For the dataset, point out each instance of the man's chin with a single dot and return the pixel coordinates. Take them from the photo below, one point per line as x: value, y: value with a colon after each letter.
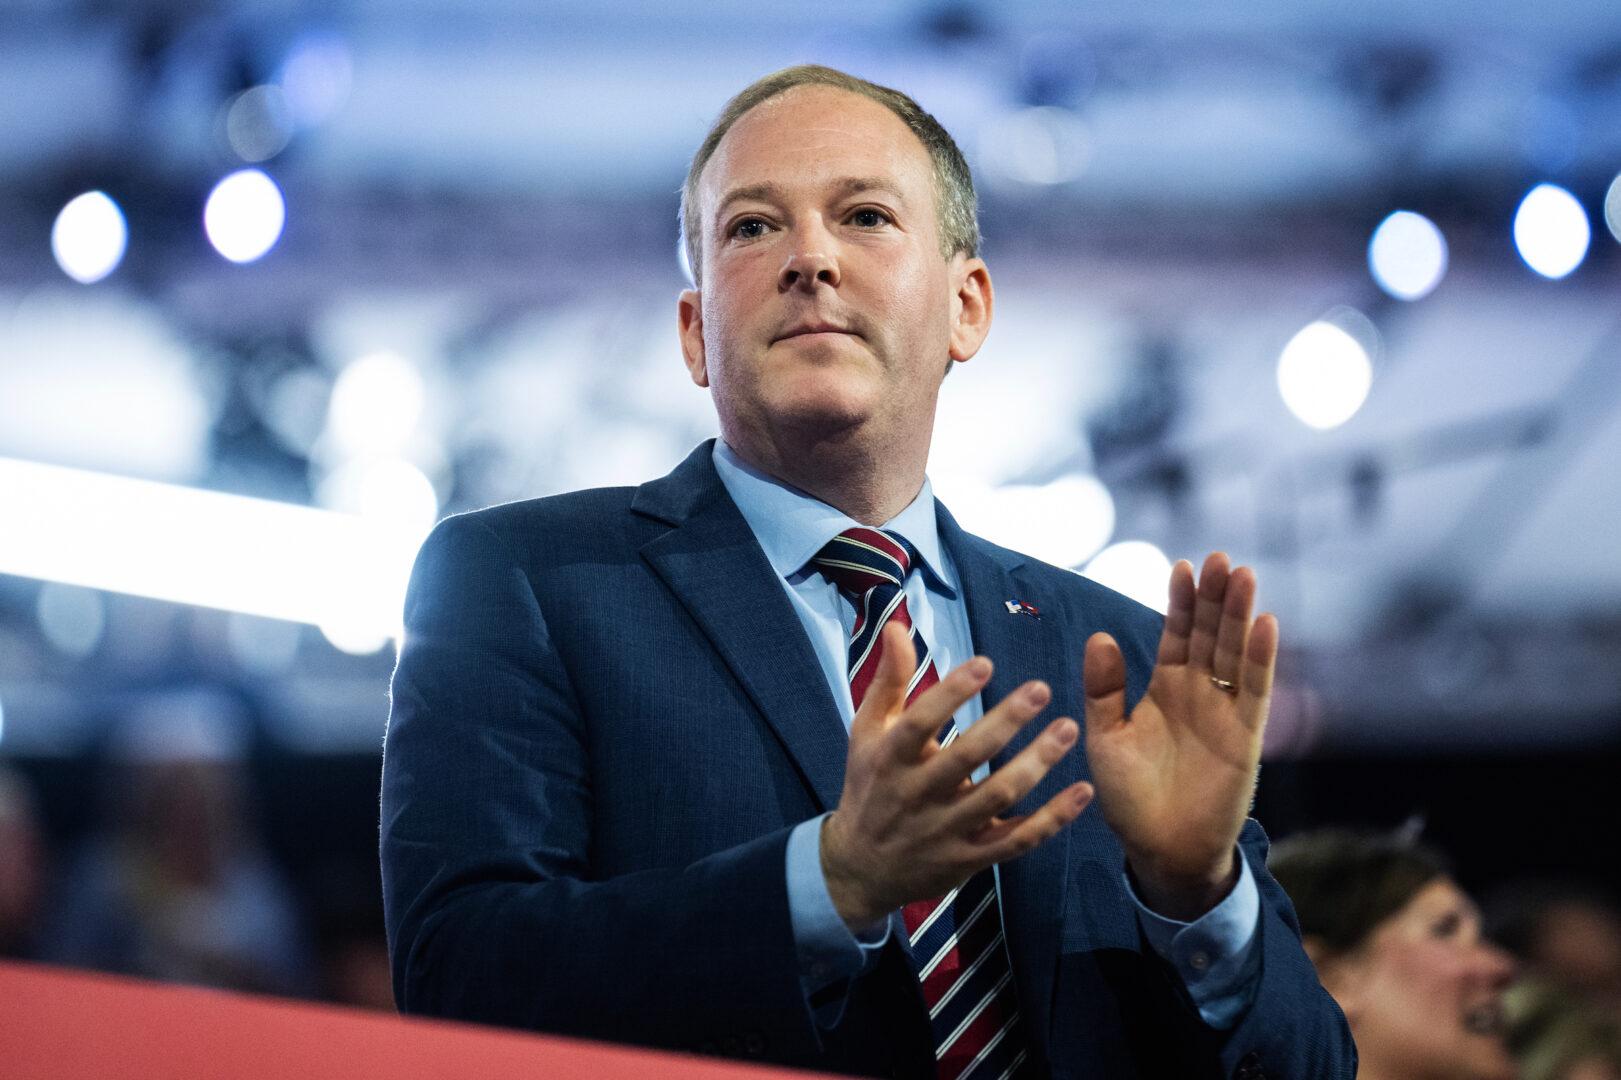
x: 821, y: 422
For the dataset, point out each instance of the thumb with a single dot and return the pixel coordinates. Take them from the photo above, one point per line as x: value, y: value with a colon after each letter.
x: 1104, y: 676
x: 885, y: 697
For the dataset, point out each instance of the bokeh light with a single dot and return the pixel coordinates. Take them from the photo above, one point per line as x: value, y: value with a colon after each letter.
x: 376, y: 403
x: 1064, y: 522
x: 1407, y: 255
x: 1042, y: 145
x: 387, y: 490
x: 258, y: 123
x: 1324, y: 375
x: 1136, y: 568
x: 71, y: 617
x: 244, y: 215
x: 1551, y: 231
x: 99, y: 379
x: 315, y: 77
x: 1612, y: 207
x: 89, y: 237
x: 353, y: 637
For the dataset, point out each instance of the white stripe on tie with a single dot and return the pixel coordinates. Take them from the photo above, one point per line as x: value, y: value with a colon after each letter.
x: 951, y: 942
x: 1013, y: 1068
x: 967, y: 973
x: 979, y: 1057
x: 945, y: 1044
x: 945, y: 906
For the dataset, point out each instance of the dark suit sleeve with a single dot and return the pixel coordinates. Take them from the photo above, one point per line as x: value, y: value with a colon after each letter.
x: 495, y: 911
x: 1293, y: 1027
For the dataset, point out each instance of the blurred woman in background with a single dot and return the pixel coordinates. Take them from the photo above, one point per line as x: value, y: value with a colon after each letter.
x: 1399, y: 946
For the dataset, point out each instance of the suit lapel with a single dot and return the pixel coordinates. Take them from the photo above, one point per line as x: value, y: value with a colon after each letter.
x: 1024, y: 647
x: 711, y: 561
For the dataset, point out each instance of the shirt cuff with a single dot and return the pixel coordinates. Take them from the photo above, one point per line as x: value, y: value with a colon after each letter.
x: 1215, y: 954
x: 829, y: 954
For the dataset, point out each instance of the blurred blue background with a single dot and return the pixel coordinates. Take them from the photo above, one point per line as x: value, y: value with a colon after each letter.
x: 360, y: 265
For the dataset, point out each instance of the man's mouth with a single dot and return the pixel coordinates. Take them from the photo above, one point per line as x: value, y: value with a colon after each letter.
x: 806, y: 329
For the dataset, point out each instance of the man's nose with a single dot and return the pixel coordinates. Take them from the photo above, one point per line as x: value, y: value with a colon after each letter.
x: 811, y: 263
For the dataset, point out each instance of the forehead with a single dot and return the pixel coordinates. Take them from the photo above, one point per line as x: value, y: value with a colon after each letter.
x: 1439, y: 897
x: 815, y: 133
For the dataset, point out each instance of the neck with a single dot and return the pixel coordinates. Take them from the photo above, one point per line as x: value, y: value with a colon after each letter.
x: 870, y: 484
x: 1378, y: 1070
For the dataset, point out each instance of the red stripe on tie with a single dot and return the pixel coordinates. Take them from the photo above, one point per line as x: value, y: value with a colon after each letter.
x: 967, y: 1049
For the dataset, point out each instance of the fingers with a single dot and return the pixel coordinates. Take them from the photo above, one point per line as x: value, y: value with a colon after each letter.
x: 1207, y: 609
x: 886, y: 694
x: 1173, y: 642
x: 921, y: 721
x: 1208, y: 625
x: 1103, y: 672
x: 946, y: 771
x: 1008, y: 838
x: 1260, y: 661
x: 1234, y: 630
x: 1002, y: 789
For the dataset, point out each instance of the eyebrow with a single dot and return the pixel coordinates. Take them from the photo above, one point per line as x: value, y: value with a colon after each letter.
x: 771, y: 192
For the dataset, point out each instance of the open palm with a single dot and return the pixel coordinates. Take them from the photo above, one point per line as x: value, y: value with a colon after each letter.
x: 1176, y: 777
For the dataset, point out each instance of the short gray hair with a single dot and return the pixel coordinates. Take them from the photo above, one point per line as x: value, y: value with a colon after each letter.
x: 955, y: 205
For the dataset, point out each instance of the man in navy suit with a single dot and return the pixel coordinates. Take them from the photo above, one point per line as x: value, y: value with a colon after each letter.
x: 629, y: 792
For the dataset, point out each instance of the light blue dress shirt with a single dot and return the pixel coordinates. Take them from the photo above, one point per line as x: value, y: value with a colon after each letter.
x: 1213, y: 954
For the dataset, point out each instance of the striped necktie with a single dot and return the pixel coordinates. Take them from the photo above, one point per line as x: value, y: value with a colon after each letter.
x: 957, y: 946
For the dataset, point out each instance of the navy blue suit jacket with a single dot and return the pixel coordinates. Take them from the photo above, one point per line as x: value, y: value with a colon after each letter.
x: 606, y: 720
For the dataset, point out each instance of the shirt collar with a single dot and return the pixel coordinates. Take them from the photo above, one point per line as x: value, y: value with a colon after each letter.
x: 793, y: 526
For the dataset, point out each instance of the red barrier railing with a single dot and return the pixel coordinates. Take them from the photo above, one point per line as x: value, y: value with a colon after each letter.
x: 57, y: 1024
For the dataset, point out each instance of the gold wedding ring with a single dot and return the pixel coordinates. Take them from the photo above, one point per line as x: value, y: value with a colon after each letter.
x: 1224, y: 686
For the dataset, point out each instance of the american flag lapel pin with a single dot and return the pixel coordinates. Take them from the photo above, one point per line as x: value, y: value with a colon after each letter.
x: 1019, y: 607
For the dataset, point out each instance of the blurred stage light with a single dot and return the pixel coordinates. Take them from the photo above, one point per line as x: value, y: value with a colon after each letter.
x: 198, y: 547
x: 316, y: 76
x: 1407, y: 255
x: 1550, y: 133
x: 89, y: 237
x: 375, y: 405
x: 386, y: 490
x: 1612, y: 207
x: 354, y: 638
x: 1551, y: 231
x: 1324, y: 373
x: 295, y: 406
x: 1136, y: 568
x: 258, y: 123
x: 1064, y: 523
x: 72, y: 618
x: 244, y: 215
x: 99, y: 380
x: 1040, y: 145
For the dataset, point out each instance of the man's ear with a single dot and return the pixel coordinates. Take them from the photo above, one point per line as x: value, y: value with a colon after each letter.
x: 972, y: 302
x: 690, y: 316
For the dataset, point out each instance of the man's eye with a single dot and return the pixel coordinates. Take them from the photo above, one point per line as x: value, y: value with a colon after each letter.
x: 868, y: 219
x: 749, y: 229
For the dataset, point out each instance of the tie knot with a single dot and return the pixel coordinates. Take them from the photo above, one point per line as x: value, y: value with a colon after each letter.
x: 861, y: 559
